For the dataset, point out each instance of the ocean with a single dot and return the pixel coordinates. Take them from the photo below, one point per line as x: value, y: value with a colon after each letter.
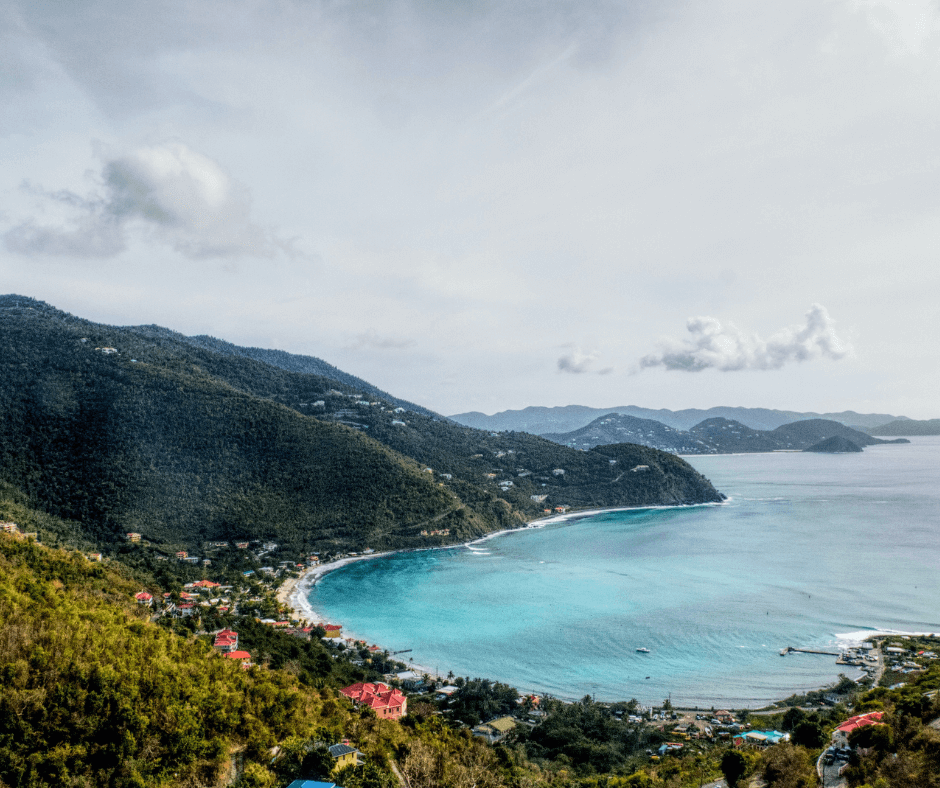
x: 811, y: 550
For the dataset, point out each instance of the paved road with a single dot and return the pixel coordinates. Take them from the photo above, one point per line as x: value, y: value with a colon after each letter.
x: 830, y: 774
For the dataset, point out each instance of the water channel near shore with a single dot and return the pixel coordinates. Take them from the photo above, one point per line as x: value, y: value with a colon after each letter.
x: 812, y: 550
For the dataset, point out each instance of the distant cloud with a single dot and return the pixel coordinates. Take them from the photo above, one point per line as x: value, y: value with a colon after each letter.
x: 577, y: 362
x: 371, y: 339
x: 168, y: 192
x: 725, y: 347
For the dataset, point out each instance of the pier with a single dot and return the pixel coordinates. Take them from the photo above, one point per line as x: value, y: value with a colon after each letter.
x: 791, y: 649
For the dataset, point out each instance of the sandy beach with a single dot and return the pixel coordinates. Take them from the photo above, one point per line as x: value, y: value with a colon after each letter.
x: 293, y: 592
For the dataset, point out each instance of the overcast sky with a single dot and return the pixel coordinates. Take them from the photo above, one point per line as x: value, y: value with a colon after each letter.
x: 488, y: 205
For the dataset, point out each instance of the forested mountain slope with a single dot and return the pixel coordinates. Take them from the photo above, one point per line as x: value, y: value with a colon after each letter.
x: 136, y: 430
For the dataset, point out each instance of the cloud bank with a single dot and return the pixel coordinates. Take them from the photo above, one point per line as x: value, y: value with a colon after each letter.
x: 168, y: 193
x: 727, y: 348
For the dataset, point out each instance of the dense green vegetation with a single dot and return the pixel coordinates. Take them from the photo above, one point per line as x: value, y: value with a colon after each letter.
x: 134, y: 430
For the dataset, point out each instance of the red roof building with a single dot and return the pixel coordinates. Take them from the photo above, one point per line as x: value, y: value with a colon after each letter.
x: 143, y: 598
x: 202, y: 584
x: 226, y: 640
x: 333, y: 630
x: 841, y: 734
x: 387, y: 703
x: 860, y: 721
x: 237, y: 655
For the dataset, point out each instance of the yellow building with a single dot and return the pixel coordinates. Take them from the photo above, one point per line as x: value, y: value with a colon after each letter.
x: 343, y: 755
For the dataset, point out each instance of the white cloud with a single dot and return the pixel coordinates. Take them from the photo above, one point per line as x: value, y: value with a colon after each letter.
x: 169, y: 193
x: 726, y: 347
x: 577, y: 362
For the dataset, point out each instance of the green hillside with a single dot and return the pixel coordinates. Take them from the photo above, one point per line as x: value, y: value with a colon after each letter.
x: 132, y: 430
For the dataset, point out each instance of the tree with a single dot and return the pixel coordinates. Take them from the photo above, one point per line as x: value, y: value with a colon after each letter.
x: 794, y: 716
x: 809, y: 734
x: 733, y: 767
x: 786, y: 766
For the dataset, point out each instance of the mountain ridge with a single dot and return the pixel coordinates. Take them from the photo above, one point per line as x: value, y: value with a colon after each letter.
x: 129, y: 429
x: 541, y: 420
x: 715, y: 435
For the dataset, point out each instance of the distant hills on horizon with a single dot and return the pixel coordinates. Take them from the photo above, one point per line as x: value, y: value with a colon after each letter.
x: 719, y: 436
x: 542, y: 420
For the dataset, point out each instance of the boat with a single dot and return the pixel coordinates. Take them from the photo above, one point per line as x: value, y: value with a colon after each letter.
x: 643, y: 650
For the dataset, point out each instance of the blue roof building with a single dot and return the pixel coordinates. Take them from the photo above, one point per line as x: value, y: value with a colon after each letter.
x: 311, y: 784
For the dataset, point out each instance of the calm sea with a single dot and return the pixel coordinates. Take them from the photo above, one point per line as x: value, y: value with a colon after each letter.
x: 811, y: 550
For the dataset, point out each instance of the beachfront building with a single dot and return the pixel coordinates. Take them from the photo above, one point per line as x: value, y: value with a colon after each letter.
x: 333, y: 630
x: 386, y: 702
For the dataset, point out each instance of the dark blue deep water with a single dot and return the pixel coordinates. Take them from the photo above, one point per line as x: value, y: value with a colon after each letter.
x: 811, y: 550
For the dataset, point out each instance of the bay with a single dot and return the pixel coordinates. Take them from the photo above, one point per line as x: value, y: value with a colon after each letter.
x: 811, y: 550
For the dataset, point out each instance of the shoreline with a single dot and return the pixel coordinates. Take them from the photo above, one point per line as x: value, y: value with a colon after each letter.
x: 294, y: 592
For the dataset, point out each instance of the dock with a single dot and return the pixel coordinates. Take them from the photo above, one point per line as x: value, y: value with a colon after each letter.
x: 791, y: 649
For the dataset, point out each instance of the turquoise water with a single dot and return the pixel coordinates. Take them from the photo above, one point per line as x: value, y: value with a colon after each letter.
x: 810, y: 547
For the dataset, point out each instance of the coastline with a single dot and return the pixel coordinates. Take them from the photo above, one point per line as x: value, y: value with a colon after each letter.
x: 294, y: 592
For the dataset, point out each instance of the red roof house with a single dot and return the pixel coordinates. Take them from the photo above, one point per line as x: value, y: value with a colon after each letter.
x: 841, y: 733
x: 387, y: 703
x: 143, y: 598
x: 226, y: 640
x: 333, y: 630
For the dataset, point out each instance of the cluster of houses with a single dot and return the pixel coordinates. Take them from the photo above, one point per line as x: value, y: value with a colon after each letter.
x: 906, y: 660
x: 14, y: 530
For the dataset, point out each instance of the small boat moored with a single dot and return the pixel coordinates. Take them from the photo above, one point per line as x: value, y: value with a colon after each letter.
x: 643, y: 650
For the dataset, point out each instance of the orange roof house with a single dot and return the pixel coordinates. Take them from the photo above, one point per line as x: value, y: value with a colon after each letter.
x: 333, y: 630
x: 203, y: 584
x: 387, y: 703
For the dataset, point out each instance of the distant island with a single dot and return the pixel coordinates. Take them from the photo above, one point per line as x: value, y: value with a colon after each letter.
x: 540, y: 420
x: 714, y: 435
x: 908, y: 427
x: 837, y: 444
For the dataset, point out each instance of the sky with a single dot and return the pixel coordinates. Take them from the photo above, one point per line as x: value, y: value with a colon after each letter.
x: 488, y: 205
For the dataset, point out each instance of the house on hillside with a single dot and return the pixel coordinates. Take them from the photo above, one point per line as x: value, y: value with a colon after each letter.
x: 143, y: 598
x: 343, y: 755
x: 386, y: 702
x: 133, y: 536
x: 333, y: 630
x: 226, y: 640
x: 495, y: 730
x: 840, y: 736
